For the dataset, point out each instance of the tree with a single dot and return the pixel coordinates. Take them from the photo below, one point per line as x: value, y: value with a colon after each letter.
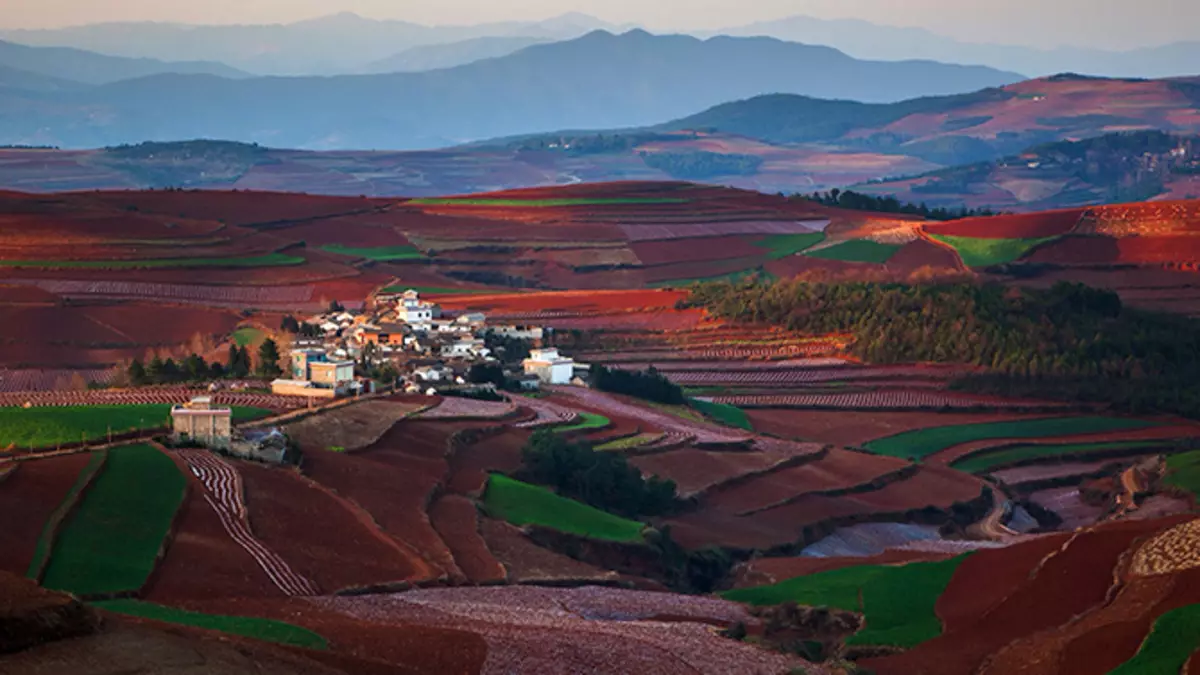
x: 268, y: 359
x: 137, y: 373
x: 238, y: 364
x: 289, y: 324
x: 335, y: 306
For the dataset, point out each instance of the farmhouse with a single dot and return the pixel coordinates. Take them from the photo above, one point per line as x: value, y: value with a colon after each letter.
x: 315, y: 367
x: 200, y: 421
x: 549, y: 366
x: 412, y: 310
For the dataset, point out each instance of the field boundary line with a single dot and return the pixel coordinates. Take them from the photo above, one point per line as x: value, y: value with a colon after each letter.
x: 44, y: 549
x: 874, y: 485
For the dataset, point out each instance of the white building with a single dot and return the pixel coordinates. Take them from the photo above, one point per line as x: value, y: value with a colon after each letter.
x: 519, y: 332
x: 411, y: 309
x: 201, y: 421
x: 549, y: 366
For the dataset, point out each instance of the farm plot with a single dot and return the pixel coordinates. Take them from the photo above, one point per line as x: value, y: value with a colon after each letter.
x: 784, y: 375
x: 525, y: 561
x: 1043, y: 225
x: 31, y: 497
x: 1183, y: 472
x: 269, y: 260
x: 349, y: 427
x: 985, y: 462
x: 667, y: 251
x: 225, y: 494
x: 237, y: 296
x: 51, y: 379
x: 837, y: 470
x: 456, y: 520
x: 546, y: 413
x: 376, y: 253
x: 1034, y: 473
x: 596, y: 630
x: 881, y: 400
x: 48, y: 427
x: 470, y: 466
x: 251, y: 627
x: 523, y: 504
x: 347, y: 550
x: 856, y: 251
x: 703, y: 433
x: 784, y: 245
x: 586, y: 422
x: 898, y: 602
x: 696, y: 471
x: 454, y: 408
x: 674, y: 231
x: 113, y: 541
x: 921, y: 443
x: 988, y: 252
x: 1171, y: 643
x: 724, y: 414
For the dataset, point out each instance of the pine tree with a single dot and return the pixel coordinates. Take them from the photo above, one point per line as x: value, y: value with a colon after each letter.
x: 137, y: 373
x: 268, y: 359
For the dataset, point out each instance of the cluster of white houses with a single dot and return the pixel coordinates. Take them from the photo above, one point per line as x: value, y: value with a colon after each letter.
x: 429, y: 349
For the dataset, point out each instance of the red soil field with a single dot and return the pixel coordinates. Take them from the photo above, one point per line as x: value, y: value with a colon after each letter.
x: 27, y: 498
x: 1023, y: 226
x: 686, y: 272
x: 839, y: 469
x: 26, y: 295
x: 469, y: 467
x: 854, y: 429
x: 581, y: 302
x: 1159, y: 250
x: 797, y: 265
x: 457, y: 522
x: 696, y: 250
x: 355, y: 231
x: 239, y: 208
x: 202, y: 560
x: 344, y: 551
x: 923, y: 254
x: 525, y: 561
x: 418, y: 648
x: 1142, y: 218
x: 1182, y: 429
x: 696, y: 470
x: 1066, y: 584
x: 766, y: 571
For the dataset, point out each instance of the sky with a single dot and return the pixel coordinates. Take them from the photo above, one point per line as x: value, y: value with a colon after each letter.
x: 1113, y: 24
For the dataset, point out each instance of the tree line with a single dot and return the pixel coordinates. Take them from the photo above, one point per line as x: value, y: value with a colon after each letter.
x: 848, y: 199
x: 649, y: 384
x: 195, y: 368
x: 1069, y: 341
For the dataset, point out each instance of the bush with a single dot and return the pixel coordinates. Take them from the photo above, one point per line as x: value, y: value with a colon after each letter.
x: 649, y: 384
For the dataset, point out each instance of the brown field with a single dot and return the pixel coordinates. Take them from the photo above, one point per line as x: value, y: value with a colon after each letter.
x: 854, y: 429
x: 34, y: 490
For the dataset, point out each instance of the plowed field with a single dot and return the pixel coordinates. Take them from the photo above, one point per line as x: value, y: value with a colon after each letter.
x: 28, y: 497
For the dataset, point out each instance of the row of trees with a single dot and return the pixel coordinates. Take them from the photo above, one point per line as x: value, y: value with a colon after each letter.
x: 196, y: 369
x: 649, y: 384
x: 602, y: 479
x: 848, y: 199
x: 1069, y: 341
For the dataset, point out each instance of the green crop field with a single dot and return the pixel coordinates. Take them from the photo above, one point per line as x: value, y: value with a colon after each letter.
x: 437, y: 290
x: 524, y: 504
x: 921, y: 443
x: 725, y: 414
x: 732, y: 276
x: 377, y: 253
x: 45, y: 542
x: 985, y: 462
x: 112, y: 541
x: 857, y: 250
x: 544, y: 203
x: 987, y: 252
x: 586, y: 422
x: 48, y: 427
x: 246, y: 335
x: 627, y: 443
x: 898, y: 601
x: 1183, y: 472
x: 251, y: 627
x: 784, y: 245
x: 1175, y: 636
x: 269, y: 260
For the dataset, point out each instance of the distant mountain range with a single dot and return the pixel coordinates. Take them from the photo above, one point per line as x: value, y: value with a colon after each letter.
x: 600, y: 80
x: 332, y: 45
x: 449, y: 55
x: 866, y: 40
x: 75, y: 65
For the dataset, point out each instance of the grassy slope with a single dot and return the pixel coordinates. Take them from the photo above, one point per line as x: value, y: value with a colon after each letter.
x: 986, y: 462
x: 45, y: 542
x: 924, y: 442
x: 270, y: 260
x: 1183, y: 472
x: 987, y: 252
x: 898, y: 601
x: 857, y: 250
x: 251, y: 627
x: 111, y: 544
x: 1174, y: 637
x: 524, y: 504
x: 45, y: 427
x: 725, y: 414
x: 247, y: 335
x: 376, y: 253
x: 784, y: 245
x: 627, y: 443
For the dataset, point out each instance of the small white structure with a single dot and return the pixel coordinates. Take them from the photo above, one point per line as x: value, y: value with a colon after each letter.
x: 200, y: 421
x: 413, y: 310
x: 549, y: 366
x: 519, y: 332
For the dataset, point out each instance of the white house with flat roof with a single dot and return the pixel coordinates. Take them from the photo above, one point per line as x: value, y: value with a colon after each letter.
x: 201, y: 421
x: 549, y: 366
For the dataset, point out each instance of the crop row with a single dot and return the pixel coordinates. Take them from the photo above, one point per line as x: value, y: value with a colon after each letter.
x: 730, y: 366
x: 38, y: 379
x: 163, y: 396
x: 650, y: 232
x: 224, y: 493
x: 872, y: 400
x: 547, y: 412
x: 245, y: 295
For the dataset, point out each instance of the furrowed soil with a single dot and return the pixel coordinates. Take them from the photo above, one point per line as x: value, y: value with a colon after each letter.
x: 27, y: 498
x: 456, y: 519
x: 853, y: 428
x: 525, y: 561
x: 767, y: 571
x: 283, y: 510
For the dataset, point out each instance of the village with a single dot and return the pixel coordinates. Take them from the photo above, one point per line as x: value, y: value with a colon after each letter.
x: 397, y: 343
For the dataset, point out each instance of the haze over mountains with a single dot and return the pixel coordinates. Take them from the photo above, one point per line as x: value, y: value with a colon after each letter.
x: 600, y: 80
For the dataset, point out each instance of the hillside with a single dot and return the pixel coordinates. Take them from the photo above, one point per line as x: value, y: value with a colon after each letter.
x: 85, y: 67
x: 432, y: 57
x: 1129, y: 166
x: 583, y: 82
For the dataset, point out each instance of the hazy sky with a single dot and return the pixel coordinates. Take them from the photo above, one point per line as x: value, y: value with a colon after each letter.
x: 1047, y: 23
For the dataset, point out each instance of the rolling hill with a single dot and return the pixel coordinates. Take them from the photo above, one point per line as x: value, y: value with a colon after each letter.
x: 600, y: 80
x: 85, y: 67
x: 449, y: 55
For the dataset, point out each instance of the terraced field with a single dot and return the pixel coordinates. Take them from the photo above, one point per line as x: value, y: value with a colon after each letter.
x: 922, y: 443
x: 523, y: 504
